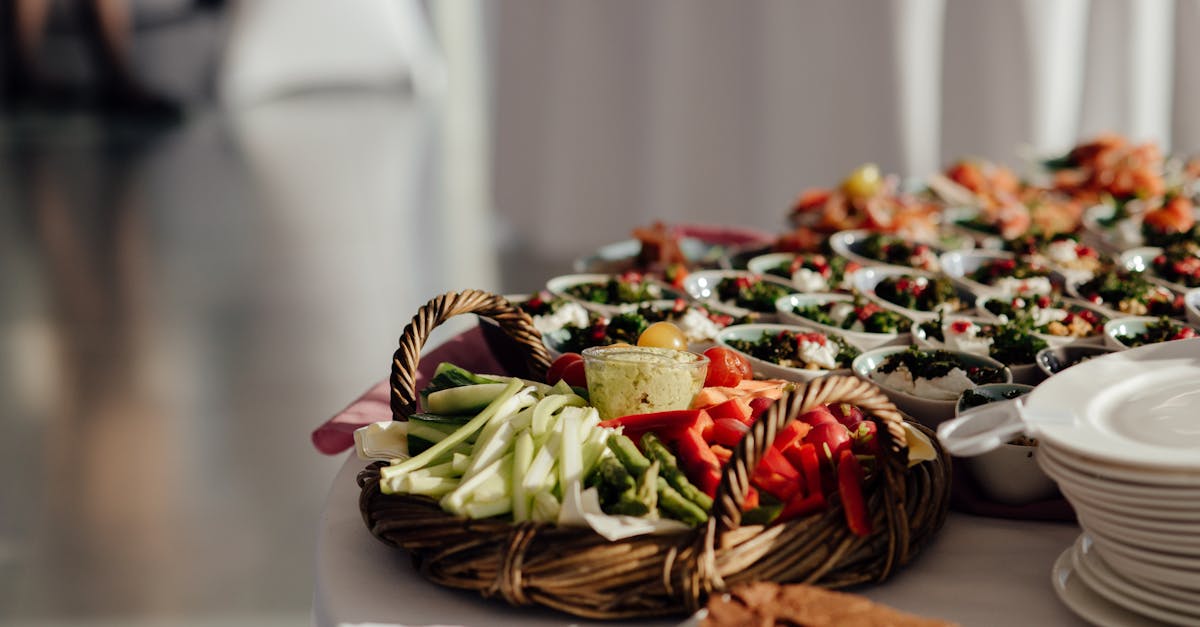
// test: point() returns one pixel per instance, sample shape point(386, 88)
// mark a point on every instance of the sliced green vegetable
point(506, 403)
point(675, 505)
point(468, 399)
point(671, 472)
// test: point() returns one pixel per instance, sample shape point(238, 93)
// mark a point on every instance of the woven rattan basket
point(578, 572)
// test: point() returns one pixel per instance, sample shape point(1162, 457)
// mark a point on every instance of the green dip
point(625, 380)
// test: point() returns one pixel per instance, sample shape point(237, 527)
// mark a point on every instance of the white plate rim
point(1117, 594)
point(1059, 398)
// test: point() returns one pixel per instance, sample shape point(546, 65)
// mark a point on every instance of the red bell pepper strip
point(699, 462)
point(850, 487)
point(728, 431)
point(791, 435)
point(776, 476)
point(775, 462)
point(802, 505)
point(666, 424)
point(736, 408)
point(805, 458)
point(751, 500)
point(723, 454)
point(758, 405)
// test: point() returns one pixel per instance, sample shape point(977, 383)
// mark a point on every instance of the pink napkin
point(469, 350)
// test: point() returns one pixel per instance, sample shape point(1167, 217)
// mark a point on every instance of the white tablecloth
point(979, 571)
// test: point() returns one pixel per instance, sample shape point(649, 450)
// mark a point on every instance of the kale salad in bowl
point(862, 322)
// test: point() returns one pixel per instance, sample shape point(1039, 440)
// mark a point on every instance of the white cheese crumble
point(807, 280)
point(945, 388)
point(697, 326)
point(1032, 285)
point(816, 353)
point(568, 314)
point(1062, 251)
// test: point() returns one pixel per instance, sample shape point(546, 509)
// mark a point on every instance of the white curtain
point(608, 114)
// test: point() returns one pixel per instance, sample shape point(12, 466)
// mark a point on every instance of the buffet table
point(979, 571)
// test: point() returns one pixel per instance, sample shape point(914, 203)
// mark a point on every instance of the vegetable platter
point(518, 489)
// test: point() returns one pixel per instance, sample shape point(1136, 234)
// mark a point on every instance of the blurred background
point(217, 216)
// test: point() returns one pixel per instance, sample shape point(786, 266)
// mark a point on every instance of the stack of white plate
point(1141, 543)
point(1120, 434)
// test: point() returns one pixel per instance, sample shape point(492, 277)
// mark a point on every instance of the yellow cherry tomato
point(863, 182)
point(663, 335)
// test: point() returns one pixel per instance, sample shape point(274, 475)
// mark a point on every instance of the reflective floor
point(178, 309)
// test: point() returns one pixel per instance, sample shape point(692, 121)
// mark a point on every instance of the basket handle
point(735, 481)
point(516, 323)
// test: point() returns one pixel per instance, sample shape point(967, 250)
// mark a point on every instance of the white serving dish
point(958, 264)
point(860, 339)
point(1009, 474)
point(1191, 304)
point(927, 411)
point(1127, 326)
point(558, 286)
point(1025, 374)
point(765, 369)
point(702, 286)
point(846, 244)
point(1135, 408)
point(866, 279)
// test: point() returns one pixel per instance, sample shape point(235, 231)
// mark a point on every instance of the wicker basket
point(577, 571)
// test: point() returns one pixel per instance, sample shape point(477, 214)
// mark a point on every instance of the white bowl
point(1191, 304)
point(766, 369)
point(1096, 338)
point(1050, 360)
point(1123, 235)
point(862, 340)
point(1128, 326)
point(866, 279)
point(702, 286)
point(558, 286)
point(1009, 474)
point(847, 245)
point(803, 280)
point(1073, 289)
point(958, 264)
point(929, 412)
point(1025, 374)
point(621, 256)
point(1142, 260)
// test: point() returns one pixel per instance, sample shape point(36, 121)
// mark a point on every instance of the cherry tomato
point(663, 335)
point(575, 375)
point(726, 368)
point(555, 372)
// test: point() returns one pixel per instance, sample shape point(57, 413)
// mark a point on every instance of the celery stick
point(460, 461)
point(536, 475)
point(494, 449)
point(593, 447)
point(591, 418)
point(454, 501)
point(440, 470)
point(562, 387)
point(545, 507)
point(496, 486)
point(522, 460)
point(570, 461)
point(434, 487)
point(523, 418)
point(543, 412)
point(510, 398)
point(487, 509)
